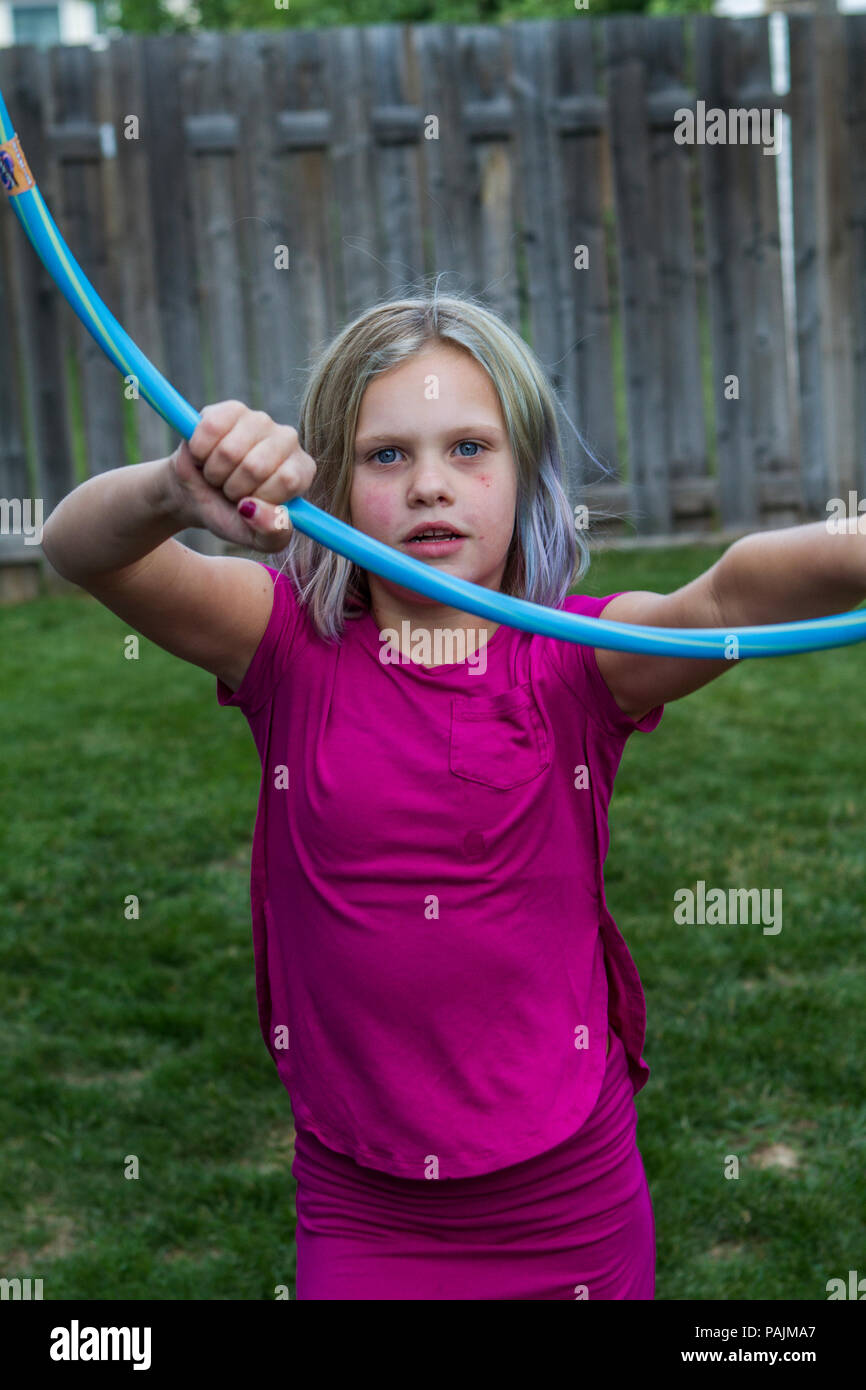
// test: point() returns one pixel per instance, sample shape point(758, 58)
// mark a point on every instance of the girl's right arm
point(113, 535)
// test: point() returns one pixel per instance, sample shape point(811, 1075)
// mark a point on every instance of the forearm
point(790, 575)
point(111, 520)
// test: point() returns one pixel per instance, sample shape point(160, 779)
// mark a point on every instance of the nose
point(429, 481)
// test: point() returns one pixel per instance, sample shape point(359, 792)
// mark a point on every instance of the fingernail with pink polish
point(247, 507)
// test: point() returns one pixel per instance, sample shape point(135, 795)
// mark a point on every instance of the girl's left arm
point(783, 576)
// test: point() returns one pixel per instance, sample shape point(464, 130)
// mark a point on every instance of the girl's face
point(431, 446)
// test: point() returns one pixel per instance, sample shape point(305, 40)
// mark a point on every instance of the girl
point(446, 997)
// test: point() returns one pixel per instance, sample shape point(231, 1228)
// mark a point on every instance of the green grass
point(140, 1037)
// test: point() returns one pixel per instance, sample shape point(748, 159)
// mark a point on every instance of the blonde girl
point(448, 1002)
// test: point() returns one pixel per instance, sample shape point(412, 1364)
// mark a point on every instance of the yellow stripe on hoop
point(73, 273)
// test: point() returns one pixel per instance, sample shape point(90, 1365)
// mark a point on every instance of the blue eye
point(391, 449)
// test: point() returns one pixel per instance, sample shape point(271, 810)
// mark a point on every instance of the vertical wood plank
point(314, 290)
point(449, 168)
point(587, 372)
point(288, 209)
point(83, 219)
point(682, 425)
point(210, 92)
point(727, 269)
point(14, 473)
point(736, 505)
point(637, 239)
point(840, 95)
point(396, 161)
point(130, 235)
point(772, 404)
point(165, 62)
point(353, 157)
point(757, 473)
point(806, 154)
point(490, 161)
point(538, 189)
point(28, 93)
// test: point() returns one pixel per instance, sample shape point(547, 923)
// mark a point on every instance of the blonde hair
point(548, 554)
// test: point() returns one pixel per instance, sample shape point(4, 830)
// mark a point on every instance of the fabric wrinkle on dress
point(576, 1223)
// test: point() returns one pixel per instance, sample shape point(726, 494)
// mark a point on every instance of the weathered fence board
point(638, 232)
point(681, 424)
point(131, 225)
point(842, 295)
point(277, 184)
point(587, 373)
point(41, 309)
point(165, 71)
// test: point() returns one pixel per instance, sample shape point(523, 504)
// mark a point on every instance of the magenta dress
point(437, 970)
point(574, 1223)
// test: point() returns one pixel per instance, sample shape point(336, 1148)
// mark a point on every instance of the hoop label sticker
point(15, 175)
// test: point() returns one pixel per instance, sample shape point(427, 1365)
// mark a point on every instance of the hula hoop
point(777, 639)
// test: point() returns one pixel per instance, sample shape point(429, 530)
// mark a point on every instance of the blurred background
point(235, 194)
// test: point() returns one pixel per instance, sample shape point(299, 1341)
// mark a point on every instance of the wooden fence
point(175, 167)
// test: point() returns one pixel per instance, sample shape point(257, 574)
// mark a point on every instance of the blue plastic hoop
point(777, 639)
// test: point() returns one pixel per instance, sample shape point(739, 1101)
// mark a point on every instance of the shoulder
point(615, 668)
point(638, 606)
point(629, 607)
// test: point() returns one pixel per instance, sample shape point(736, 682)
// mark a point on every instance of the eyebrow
point(396, 438)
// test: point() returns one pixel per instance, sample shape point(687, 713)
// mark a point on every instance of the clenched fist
point(237, 456)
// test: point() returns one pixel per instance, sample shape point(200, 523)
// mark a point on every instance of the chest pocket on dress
point(499, 740)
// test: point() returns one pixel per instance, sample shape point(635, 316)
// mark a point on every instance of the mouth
point(434, 542)
point(437, 531)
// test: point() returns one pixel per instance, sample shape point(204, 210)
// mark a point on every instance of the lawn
point(136, 1038)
